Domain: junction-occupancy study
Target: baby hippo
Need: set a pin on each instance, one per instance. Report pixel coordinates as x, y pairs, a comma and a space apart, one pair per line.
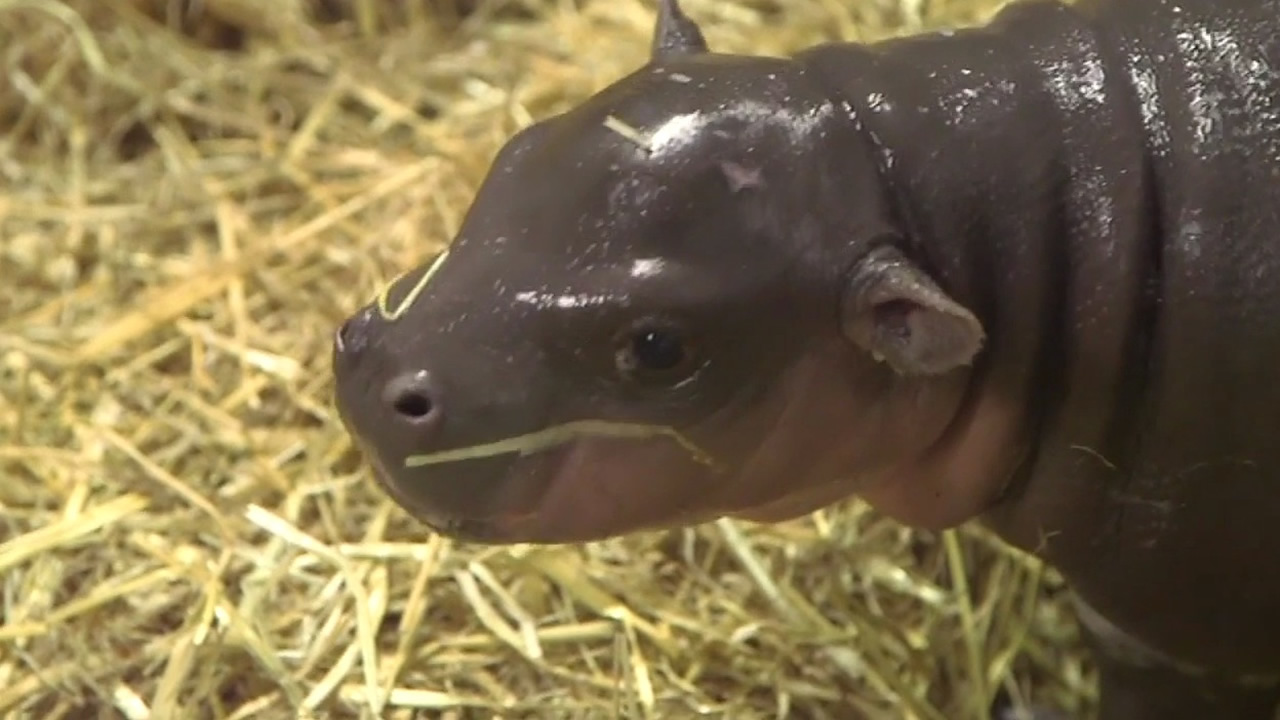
1025, 274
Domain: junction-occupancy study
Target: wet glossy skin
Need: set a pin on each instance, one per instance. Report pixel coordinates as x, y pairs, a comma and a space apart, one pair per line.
1120, 245
519, 326
1027, 274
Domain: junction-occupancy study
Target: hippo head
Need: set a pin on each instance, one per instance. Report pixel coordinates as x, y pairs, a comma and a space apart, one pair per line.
685, 298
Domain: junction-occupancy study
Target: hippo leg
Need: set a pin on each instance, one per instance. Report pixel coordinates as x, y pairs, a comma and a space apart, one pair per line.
1137, 683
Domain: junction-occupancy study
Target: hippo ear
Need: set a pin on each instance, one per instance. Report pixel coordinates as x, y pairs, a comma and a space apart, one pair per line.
895, 311
675, 34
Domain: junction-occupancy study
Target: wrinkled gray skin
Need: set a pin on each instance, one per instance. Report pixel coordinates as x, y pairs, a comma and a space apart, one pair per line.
1027, 274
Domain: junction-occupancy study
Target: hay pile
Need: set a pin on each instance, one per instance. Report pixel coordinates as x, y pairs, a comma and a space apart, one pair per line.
191, 196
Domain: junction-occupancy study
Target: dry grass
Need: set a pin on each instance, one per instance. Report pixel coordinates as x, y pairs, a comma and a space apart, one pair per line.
189, 202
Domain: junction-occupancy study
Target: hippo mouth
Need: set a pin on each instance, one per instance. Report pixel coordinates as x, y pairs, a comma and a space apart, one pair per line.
575, 482
560, 435
525, 482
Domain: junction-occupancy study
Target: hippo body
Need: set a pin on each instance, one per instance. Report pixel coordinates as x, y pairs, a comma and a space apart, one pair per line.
1026, 274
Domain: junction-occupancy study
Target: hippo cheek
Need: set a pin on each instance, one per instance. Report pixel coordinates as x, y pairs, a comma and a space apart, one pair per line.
476, 499
606, 487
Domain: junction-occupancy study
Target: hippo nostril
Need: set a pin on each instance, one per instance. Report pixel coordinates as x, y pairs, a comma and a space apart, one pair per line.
414, 405
353, 335
339, 339
412, 396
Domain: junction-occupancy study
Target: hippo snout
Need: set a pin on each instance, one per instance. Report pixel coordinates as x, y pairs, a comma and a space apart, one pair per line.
392, 402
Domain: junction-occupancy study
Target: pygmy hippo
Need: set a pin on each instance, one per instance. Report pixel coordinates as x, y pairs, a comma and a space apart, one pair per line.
1025, 274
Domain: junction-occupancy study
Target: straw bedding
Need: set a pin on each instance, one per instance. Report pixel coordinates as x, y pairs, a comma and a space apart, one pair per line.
192, 194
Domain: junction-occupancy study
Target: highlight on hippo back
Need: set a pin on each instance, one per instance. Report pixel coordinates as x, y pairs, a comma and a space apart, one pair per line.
1001, 275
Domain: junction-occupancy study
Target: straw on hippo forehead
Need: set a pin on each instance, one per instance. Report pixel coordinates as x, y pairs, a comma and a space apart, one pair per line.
559, 435
613, 123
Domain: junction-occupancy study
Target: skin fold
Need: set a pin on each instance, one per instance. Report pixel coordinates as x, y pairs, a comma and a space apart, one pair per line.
1025, 274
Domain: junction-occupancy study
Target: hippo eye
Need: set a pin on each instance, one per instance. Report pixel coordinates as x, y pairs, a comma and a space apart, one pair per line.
653, 351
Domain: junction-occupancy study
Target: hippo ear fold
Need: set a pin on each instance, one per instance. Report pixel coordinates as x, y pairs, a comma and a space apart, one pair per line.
675, 34
896, 312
